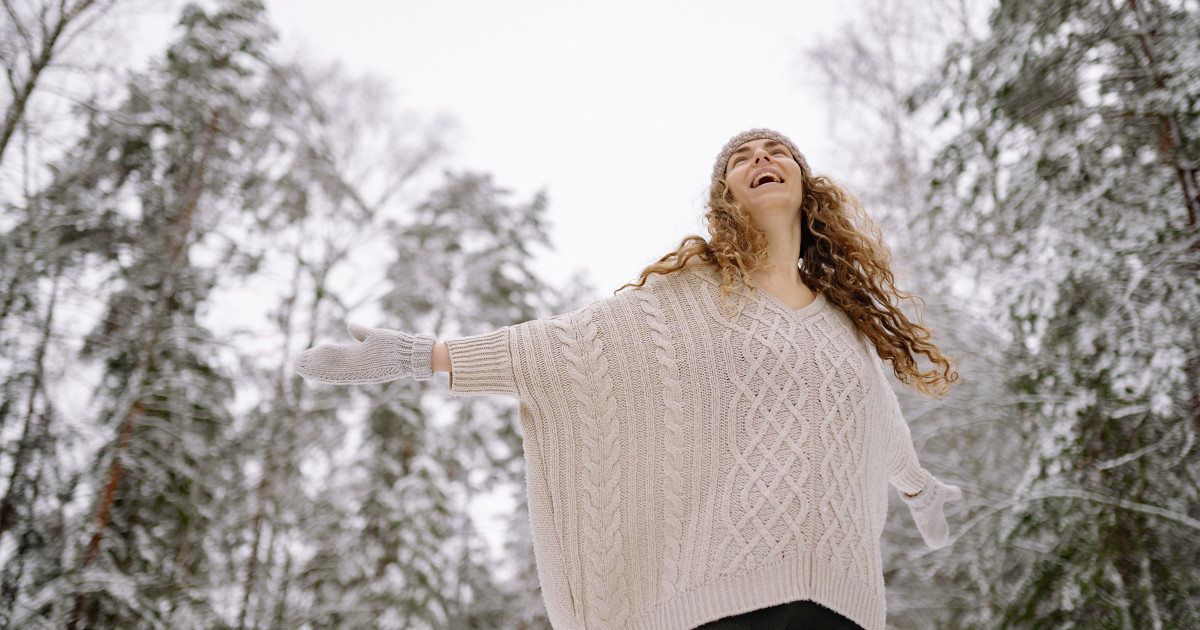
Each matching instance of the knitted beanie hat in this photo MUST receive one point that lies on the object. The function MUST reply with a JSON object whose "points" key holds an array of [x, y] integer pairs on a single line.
{"points": [[756, 134]]}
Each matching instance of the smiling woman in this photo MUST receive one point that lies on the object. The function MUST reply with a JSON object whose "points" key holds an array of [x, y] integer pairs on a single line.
{"points": [[811, 220], [714, 445]]}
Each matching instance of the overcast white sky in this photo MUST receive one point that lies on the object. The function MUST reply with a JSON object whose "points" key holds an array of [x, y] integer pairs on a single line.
{"points": [[615, 108]]}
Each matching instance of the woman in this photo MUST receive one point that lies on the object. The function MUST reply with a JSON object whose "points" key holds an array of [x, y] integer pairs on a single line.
{"points": [[712, 446]]}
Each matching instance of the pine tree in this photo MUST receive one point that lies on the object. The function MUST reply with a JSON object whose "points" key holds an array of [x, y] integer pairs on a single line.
{"points": [[476, 251], [1061, 194], [345, 156], [1072, 185], [463, 266], [226, 212], [37, 255], [158, 174]]}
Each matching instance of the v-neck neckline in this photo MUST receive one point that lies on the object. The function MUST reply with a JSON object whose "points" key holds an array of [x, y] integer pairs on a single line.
{"points": [[802, 312]]}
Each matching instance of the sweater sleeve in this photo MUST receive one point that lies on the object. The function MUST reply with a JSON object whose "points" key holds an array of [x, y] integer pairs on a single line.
{"points": [[482, 364], [904, 469]]}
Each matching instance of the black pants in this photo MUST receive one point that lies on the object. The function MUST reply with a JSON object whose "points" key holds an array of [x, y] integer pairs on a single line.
{"points": [[803, 615]]}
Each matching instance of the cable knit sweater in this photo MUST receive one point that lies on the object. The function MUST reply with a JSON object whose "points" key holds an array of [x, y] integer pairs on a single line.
{"points": [[684, 465]]}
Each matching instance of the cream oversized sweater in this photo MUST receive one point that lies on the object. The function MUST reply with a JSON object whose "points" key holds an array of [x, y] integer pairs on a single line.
{"points": [[684, 465]]}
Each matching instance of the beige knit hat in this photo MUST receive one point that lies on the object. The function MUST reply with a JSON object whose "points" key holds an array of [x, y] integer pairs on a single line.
{"points": [[756, 134]]}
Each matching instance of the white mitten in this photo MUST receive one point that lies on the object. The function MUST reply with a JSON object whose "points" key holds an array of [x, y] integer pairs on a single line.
{"points": [[383, 355], [926, 508]]}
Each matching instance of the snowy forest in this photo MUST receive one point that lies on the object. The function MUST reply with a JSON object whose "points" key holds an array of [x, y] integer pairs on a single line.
{"points": [[172, 234]]}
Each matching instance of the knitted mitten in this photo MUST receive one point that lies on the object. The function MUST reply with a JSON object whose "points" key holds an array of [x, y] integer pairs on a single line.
{"points": [[926, 508], [383, 355]]}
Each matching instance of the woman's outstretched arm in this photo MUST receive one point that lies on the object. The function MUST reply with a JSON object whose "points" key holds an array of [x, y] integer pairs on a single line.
{"points": [[481, 364]]}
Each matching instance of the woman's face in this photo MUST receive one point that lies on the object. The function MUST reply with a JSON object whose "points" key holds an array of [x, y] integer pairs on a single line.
{"points": [[764, 177]]}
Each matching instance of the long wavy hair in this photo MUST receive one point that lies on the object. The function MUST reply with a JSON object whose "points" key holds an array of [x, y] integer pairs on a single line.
{"points": [[842, 255]]}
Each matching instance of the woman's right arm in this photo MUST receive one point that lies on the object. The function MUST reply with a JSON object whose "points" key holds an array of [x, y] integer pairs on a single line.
{"points": [[480, 364]]}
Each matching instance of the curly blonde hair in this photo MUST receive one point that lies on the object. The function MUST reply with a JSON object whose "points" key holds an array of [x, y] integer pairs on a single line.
{"points": [[842, 255]]}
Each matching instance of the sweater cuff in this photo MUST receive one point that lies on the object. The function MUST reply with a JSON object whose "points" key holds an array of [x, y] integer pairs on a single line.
{"points": [[911, 480], [924, 498], [481, 365], [421, 356]]}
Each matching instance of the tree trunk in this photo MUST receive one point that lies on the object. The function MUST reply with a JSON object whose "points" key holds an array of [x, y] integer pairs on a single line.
{"points": [[31, 436], [281, 606], [252, 570], [24, 485]]}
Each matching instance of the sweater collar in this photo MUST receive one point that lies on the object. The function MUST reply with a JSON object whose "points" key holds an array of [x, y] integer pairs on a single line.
{"points": [[804, 312]]}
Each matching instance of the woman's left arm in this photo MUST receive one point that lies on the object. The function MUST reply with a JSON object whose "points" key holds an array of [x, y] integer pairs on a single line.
{"points": [[919, 489]]}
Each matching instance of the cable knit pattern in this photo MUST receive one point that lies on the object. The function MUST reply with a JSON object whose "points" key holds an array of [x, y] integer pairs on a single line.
{"points": [[673, 420], [684, 465], [768, 496], [605, 588]]}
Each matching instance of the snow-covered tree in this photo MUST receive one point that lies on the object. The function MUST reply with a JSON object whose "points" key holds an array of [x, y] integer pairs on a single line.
{"points": [[166, 167], [161, 465], [1074, 187], [1057, 143], [462, 266]]}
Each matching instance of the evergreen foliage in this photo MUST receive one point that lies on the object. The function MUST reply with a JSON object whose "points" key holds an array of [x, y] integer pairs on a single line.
{"points": [[162, 464], [1073, 186], [1060, 185]]}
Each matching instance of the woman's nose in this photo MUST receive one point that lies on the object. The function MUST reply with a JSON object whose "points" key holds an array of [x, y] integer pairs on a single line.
{"points": [[761, 154]]}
